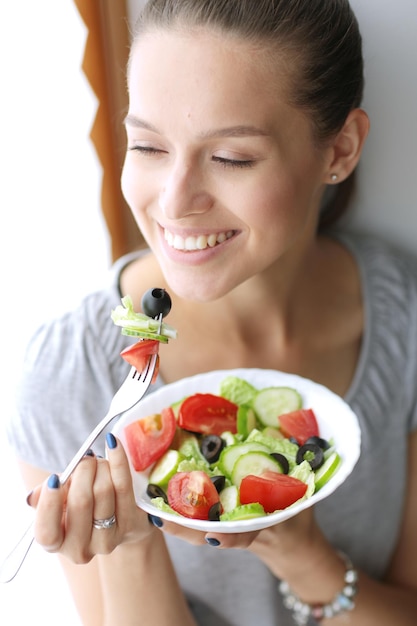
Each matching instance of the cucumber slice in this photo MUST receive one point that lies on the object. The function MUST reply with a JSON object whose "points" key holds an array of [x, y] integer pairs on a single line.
{"points": [[230, 454], [254, 463], [229, 498], [165, 468], [243, 511], [327, 470], [229, 438], [246, 420], [272, 431], [272, 402], [130, 332]]}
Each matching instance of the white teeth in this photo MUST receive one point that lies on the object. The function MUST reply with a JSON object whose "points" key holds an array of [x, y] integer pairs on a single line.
{"points": [[201, 242], [178, 243], [190, 243]]}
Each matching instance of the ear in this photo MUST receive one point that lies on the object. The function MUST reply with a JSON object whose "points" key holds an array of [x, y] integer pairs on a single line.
{"points": [[347, 146]]}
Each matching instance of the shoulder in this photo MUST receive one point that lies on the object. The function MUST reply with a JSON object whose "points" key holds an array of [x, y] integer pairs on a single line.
{"points": [[388, 365], [383, 267], [389, 285]]}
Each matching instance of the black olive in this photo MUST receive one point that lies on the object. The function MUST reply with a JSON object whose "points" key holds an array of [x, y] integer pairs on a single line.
{"points": [[322, 443], [211, 446], [214, 512], [293, 440], [155, 491], [156, 301], [219, 482], [307, 450], [282, 460]]}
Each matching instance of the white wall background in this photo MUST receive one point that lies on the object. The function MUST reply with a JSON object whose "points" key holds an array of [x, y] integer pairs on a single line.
{"points": [[53, 244], [387, 200]]}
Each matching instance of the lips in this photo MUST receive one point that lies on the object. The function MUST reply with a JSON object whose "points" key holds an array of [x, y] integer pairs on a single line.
{"points": [[196, 242]]}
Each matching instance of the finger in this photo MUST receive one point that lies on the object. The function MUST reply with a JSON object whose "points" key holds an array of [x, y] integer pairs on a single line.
{"points": [[104, 527], [240, 541], [195, 537], [103, 492], [49, 531], [80, 510], [33, 496], [121, 477]]}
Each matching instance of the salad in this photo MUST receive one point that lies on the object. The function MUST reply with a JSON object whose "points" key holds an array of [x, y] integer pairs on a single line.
{"points": [[147, 327], [239, 454]]}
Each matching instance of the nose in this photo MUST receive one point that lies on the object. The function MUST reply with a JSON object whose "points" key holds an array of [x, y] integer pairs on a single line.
{"points": [[183, 192]]}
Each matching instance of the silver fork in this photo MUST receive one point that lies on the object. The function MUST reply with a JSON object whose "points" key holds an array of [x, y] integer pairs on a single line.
{"points": [[130, 393]]}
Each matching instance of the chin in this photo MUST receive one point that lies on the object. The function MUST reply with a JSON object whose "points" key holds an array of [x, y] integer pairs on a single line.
{"points": [[196, 289]]}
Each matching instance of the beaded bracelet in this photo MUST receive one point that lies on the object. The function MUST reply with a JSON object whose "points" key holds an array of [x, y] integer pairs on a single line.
{"points": [[343, 601]]}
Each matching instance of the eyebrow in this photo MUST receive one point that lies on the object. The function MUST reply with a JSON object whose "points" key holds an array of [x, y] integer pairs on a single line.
{"points": [[239, 130]]}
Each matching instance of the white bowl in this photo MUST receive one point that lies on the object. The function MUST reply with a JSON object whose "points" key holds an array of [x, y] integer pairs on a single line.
{"points": [[335, 419]]}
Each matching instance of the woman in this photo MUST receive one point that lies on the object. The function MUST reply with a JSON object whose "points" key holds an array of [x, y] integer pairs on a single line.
{"points": [[243, 116]]}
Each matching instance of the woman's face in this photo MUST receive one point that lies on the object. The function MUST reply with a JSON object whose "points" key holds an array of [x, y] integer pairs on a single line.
{"points": [[221, 173]]}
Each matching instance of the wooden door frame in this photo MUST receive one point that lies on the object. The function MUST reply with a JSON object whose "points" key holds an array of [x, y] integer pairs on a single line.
{"points": [[104, 64]]}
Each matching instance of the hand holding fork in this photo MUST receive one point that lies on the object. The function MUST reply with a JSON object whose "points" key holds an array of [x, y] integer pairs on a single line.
{"points": [[128, 395]]}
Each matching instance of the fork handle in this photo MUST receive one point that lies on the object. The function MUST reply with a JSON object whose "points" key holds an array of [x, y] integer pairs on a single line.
{"points": [[14, 560]]}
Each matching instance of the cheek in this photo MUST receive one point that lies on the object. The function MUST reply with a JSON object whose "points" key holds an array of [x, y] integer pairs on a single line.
{"points": [[127, 185], [136, 190], [278, 216], [130, 185], [273, 206]]}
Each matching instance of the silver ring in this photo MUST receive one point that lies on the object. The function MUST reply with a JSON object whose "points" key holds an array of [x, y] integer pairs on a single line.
{"points": [[104, 523]]}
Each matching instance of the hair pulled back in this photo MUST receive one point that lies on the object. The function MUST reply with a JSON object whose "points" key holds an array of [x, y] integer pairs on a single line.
{"points": [[320, 37]]}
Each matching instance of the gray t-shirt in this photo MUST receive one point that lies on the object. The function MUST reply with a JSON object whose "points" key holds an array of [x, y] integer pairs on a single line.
{"points": [[73, 368]]}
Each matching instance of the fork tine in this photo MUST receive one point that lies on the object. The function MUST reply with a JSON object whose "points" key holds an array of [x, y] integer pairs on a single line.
{"points": [[134, 373]]}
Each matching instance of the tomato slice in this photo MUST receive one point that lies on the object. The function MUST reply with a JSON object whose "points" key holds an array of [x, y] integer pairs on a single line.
{"points": [[139, 353], [192, 494], [300, 424], [148, 438], [208, 414], [272, 490]]}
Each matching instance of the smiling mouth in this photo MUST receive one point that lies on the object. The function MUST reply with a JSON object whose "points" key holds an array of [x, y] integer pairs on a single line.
{"points": [[198, 242]]}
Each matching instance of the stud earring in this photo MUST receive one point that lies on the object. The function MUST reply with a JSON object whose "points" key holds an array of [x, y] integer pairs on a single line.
{"points": [[334, 177]]}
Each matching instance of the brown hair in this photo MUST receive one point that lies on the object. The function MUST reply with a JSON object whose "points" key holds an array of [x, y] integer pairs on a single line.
{"points": [[322, 35]]}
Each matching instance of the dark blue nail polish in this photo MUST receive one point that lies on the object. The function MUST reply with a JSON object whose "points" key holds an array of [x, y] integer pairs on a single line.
{"points": [[89, 452], [53, 481], [156, 521], [212, 541], [111, 441]]}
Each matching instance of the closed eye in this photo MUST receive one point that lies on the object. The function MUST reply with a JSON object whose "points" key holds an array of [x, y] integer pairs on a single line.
{"points": [[233, 163], [146, 150]]}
